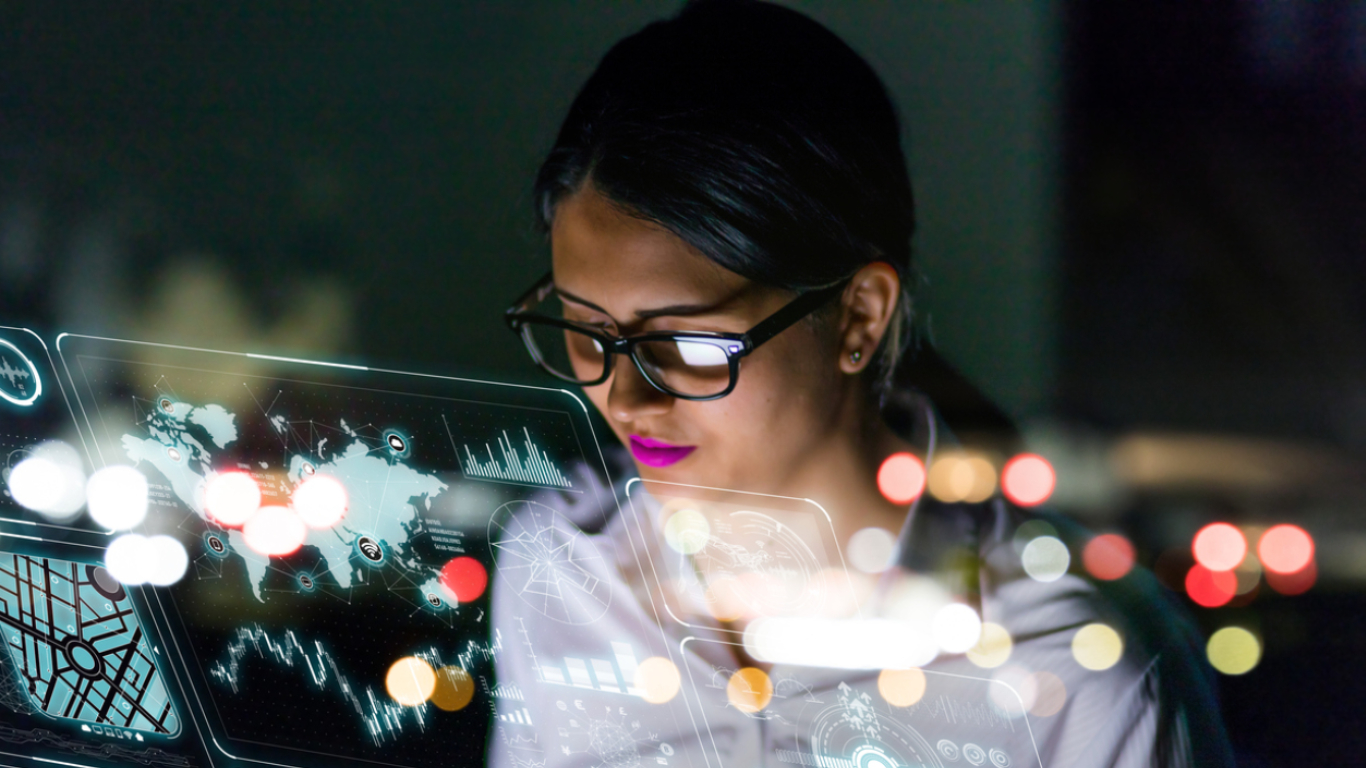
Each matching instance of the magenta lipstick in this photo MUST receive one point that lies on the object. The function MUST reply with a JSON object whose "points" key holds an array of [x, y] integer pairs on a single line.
{"points": [[657, 453]]}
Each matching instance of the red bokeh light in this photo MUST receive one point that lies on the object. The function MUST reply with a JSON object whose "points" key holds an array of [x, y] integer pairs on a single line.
{"points": [[1285, 549], [1028, 480], [1293, 583], [1210, 588], [901, 478], [275, 531], [1108, 557], [1219, 547], [465, 578]]}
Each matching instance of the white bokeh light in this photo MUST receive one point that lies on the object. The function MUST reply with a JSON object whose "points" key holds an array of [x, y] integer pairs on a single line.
{"points": [[840, 643], [49, 481], [1045, 558], [130, 558], [117, 497], [168, 560], [320, 501], [274, 531], [871, 549], [956, 628], [232, 498]]}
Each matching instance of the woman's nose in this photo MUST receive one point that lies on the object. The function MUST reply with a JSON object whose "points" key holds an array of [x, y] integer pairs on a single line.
{"points": [[631, 397]]}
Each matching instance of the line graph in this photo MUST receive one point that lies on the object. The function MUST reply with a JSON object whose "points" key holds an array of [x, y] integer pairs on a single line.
{"points": [[382, 719], [535, 469]]}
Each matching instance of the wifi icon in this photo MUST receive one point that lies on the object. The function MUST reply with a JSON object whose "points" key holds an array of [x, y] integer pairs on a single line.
{"points": [[370, 549]]}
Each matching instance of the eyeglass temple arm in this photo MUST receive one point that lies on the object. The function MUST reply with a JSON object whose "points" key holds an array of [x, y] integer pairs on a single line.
{"points": [[784, 318], [535, 295]]}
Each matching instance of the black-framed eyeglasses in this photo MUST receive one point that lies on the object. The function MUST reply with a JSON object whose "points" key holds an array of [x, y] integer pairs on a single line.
{"points": [[690, 365]]}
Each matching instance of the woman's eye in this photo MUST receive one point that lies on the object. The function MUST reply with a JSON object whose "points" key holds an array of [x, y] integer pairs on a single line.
{"points": [[700, 353]]}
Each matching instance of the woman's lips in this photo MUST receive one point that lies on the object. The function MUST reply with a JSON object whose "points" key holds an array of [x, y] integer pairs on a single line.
{"points": [[657, 453]]}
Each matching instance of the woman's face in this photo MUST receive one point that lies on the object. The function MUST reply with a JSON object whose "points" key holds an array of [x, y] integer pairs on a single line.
{"points": [[629, 276]]}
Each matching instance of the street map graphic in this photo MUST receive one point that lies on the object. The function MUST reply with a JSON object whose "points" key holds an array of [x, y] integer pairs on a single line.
{"points": [[76, 648]]}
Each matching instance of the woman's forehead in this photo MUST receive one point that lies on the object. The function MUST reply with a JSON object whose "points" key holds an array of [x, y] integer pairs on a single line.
{"points": [[626, 265]]}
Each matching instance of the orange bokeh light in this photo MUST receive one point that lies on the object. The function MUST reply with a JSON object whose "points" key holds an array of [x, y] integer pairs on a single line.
{"points": [[1108, 557], [1210, 588], [1028, 480], [901, 478], [1219, 547], [1285, 549]]}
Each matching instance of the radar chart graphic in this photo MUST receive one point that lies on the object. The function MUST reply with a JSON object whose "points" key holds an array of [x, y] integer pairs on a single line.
{"points": [[77, 648], [548, 562], [756, 544]]}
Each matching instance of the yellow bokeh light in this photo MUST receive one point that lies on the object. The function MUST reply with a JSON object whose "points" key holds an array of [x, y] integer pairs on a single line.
{"points": [[454, 689], [993, 647], [901, 687], [687, 531], [1049, 694], [410, 681], [1234, 651], [657, 679], [749, 690], [1097, 647]]}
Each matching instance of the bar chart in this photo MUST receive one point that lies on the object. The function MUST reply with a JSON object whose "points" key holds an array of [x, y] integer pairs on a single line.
{"points": [[508, 466], [615, 675]]}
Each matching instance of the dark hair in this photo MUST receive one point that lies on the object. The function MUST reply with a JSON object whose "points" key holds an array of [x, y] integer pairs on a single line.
{"points": [[758, 137]]}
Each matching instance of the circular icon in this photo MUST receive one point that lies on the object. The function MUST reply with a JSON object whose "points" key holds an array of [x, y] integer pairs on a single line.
{"points": [[666, 749], [370, 549], [974, 754], [104, 582], [999, 758], [308, 468], [306, 582], [174, 453], [19, 382], [215, 544], [396, 442], [434, 600], [167, 405], [948, 749], [83, 658]]}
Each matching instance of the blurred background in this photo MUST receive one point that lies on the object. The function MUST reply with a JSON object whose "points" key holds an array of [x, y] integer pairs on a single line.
{"points": [[1143, 234]]}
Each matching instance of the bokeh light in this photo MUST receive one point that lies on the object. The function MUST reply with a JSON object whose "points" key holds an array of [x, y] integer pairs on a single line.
{"points": [[274, 531], [464, 578], [901, 478], [1046, 559], [1028, 480], [168, 560], [687, 531], [956, 628], [320, 501], [129, 558], [1296, 583], [454, 689], [957, 477], [1248, 574], [1210, 588], [1285, 549], [871, 549], [657, 679], [410, 681], [1050, 694], [749, 690], [1219, 547], [231, 498], [50, 481], [1013, 690], [901, 687], [117, 497], [1097, 647], [993, 647], [1108, 557], [1234, 651]]}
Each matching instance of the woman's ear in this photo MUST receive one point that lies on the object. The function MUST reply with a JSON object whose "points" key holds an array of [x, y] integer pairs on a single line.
{"points": [[869, 303]]}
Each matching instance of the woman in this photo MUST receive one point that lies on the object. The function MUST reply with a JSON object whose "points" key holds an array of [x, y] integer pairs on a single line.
{"points": [[730, 218]]}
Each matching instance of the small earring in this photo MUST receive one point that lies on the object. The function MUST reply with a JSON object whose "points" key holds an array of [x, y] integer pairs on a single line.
{"points": [[855, 356]]}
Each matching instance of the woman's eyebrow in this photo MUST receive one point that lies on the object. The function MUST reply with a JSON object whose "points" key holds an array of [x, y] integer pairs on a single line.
{"points": [[673, 310]]}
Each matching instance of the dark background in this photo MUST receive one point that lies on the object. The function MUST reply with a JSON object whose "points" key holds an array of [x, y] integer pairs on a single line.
{"points": [[1143, 234]]}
